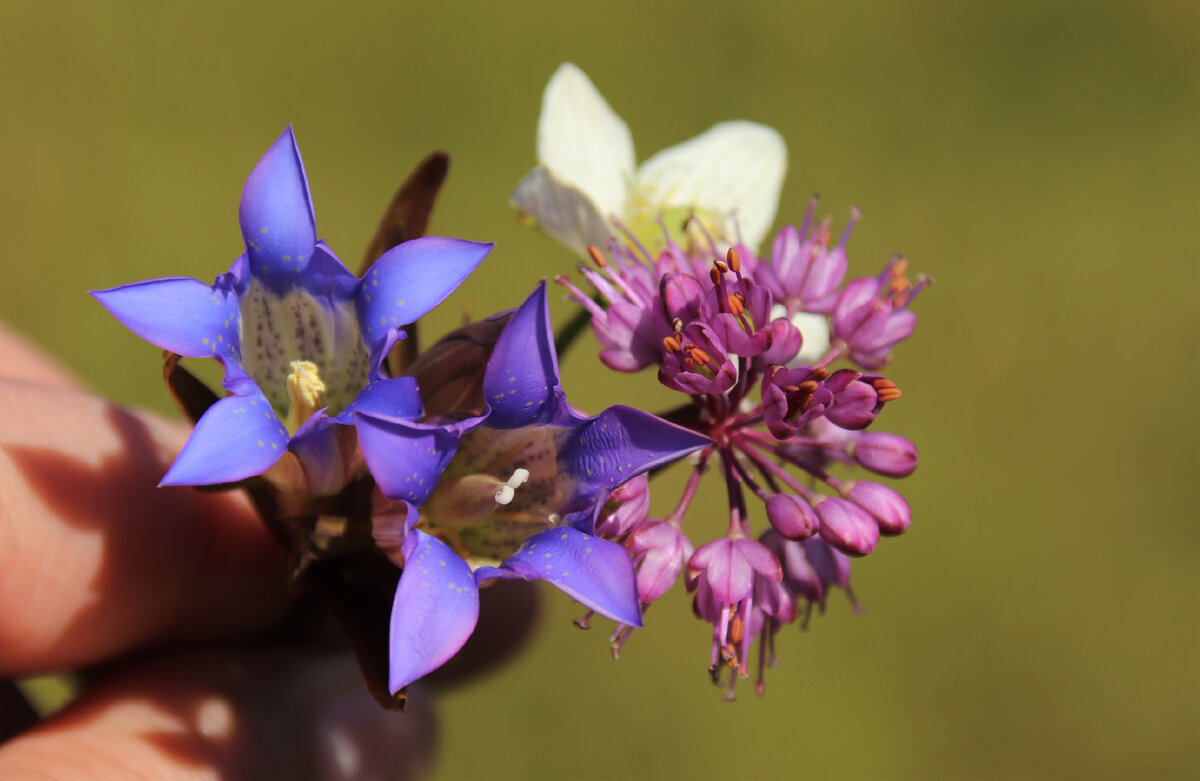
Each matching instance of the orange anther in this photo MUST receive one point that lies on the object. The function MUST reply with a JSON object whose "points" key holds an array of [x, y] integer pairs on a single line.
{"points": [[597, 256], [671, 344], [808, 386], [886, 390], [735, 260], [736, 627], [736, 307], [699, 356], [820, 373], [715, 275], [721, 266]]}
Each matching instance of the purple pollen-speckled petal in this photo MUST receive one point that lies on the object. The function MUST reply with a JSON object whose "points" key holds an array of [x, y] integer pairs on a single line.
{"points": [[327, 277], [389, 399], [614, 447], [276, 213], [521, 384], [596, 573], [178, 314], [412, 278], [434, 612], [238, 437], [406, 459], [326, 453]]}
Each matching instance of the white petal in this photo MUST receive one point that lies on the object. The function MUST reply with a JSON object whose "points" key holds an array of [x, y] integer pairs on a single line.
{"points": [[583, 142], [735, 170], [815, 330], [561, 210]]}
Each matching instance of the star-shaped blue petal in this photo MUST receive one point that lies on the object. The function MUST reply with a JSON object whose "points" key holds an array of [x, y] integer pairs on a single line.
{"points": [[434, 611]]}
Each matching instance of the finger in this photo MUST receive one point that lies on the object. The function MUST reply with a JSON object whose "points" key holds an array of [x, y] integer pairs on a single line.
{"points": [[16, 714], [26, 362], [260, 714], [94, 559]]}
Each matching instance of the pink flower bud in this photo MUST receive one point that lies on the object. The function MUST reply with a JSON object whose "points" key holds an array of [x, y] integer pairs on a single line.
{"points": [[886, 454], [847, 527], [887, 507], [792, 517]]}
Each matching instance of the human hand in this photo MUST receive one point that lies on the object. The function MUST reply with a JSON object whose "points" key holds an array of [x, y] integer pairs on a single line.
{"points": [[169, 594]]}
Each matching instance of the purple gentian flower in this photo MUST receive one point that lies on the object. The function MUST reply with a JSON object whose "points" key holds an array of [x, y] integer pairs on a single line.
{"points": [[512, 493], [299, 336]]}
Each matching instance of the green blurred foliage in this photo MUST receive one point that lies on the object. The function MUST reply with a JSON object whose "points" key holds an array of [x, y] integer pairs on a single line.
{"points": [[1039, 159]]}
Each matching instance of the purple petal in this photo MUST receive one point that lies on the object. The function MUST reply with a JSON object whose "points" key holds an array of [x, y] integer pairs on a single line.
{"points": [[434, 612], [178, 314], [387, 399], [238, 437], [326, 276], [614, 447], [520, 383], [852, 305], [412, 278], [326, 452], [727, 572], [594, 572], [276, 213], [666, 549], [830, 564], [406, 459], [681, 296]]}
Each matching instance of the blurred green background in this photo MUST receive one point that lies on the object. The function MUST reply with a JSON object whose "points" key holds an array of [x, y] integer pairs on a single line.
{"points": [[1039, 159]]}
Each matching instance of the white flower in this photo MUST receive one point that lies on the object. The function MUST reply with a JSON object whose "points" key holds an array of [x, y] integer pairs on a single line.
{"points": [[729, 176]]}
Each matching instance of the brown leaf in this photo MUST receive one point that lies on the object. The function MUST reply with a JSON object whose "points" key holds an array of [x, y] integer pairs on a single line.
{"points": [[406, 218], [357, 590], [191, 395], [450, 373]]}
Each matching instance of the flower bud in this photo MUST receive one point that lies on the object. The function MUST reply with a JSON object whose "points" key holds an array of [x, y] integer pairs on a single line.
{"points": [[792, 517], [663, 550], [887, 507], [632, 508], [785, 341], [886, 454], [847, 527], [681, 297], [856, 404]]}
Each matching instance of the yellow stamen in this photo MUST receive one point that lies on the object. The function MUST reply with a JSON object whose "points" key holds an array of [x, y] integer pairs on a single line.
{"points": [[306, 391]]}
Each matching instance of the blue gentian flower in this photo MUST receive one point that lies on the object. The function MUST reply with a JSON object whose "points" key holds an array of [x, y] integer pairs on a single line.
{"points": [[511, 493], [299, 335]]}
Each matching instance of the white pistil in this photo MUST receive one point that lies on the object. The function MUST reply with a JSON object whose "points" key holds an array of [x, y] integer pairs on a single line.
{"points": [[306, 390], [506, 492]]}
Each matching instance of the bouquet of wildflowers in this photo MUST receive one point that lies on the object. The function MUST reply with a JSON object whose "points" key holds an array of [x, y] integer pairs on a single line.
{"points": [[402, 480]]}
